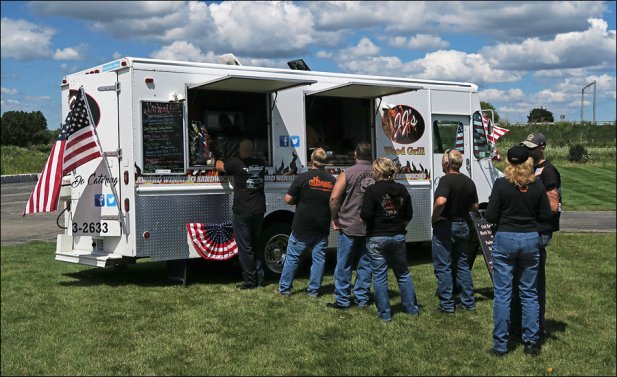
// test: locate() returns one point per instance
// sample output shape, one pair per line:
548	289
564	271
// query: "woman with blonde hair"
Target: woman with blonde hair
386	209
518	202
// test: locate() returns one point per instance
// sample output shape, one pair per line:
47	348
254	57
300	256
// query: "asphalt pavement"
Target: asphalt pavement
16	228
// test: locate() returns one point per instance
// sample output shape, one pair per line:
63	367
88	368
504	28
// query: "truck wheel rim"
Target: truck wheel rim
274	252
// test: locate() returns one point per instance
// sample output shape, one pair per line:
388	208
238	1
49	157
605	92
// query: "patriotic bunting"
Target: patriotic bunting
213	242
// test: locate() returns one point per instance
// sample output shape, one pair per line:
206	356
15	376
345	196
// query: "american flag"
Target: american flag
212	241
76	144
460	138
494	136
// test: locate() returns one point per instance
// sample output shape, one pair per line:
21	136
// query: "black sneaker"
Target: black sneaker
531	349
493	352
441	310
335	305
243	286
462	307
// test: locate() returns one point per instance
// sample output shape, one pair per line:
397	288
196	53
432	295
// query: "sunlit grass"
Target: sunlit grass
59	318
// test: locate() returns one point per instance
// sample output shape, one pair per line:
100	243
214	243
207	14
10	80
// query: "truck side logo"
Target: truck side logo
402	124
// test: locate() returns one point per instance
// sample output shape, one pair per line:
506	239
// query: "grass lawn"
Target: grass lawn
586	187
64	319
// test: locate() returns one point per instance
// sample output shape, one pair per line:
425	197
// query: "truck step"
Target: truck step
89	258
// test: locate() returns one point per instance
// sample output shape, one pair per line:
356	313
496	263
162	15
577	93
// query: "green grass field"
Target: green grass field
63	319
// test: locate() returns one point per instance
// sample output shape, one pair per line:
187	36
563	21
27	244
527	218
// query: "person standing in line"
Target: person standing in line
551	179
310	192
387	209
455	196
249	206
518	203
345	204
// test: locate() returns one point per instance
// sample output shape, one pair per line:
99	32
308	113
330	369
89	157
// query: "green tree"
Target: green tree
540	116
488	106
24	129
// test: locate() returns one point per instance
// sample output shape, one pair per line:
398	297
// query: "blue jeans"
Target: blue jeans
390	251
450	251
515	311
352	248
296	246
515	252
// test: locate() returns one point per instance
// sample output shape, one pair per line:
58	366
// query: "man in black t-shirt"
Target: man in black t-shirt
551	179
310	192
249	206
455	196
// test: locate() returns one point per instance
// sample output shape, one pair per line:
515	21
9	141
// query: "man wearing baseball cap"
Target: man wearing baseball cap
549	175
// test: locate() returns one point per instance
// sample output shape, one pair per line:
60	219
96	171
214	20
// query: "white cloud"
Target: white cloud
117	55
377	65
182	50
69	53
287	31
365	47
459	66
419	42
593	47
489	95
10	91
324	54
23	40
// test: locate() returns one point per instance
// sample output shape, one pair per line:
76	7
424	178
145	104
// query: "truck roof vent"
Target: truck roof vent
229	59
298	64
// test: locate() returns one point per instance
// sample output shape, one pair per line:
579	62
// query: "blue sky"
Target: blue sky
522	55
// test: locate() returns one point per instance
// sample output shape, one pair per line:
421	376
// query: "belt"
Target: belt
458	219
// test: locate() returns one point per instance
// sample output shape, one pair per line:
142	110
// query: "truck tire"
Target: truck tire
273	247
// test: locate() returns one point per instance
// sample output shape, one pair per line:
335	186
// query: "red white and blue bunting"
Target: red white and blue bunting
212	242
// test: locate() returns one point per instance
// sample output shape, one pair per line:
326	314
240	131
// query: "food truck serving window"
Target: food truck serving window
339	117
227	109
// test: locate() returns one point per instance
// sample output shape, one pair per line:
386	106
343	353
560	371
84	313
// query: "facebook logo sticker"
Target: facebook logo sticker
99	200
295	141
111	200
283	140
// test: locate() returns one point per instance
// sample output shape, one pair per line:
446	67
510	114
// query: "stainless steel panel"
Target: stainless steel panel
166	216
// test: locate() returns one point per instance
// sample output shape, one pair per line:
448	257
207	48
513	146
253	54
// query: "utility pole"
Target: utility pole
594	100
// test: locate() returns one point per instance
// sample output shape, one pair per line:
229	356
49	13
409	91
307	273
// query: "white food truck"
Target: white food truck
158	122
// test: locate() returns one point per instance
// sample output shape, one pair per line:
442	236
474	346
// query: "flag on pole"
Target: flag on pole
493	136
76	144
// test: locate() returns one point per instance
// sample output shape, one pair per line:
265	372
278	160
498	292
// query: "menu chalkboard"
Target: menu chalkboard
485	236
163	146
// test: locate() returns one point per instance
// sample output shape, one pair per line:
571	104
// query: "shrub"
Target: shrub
578	153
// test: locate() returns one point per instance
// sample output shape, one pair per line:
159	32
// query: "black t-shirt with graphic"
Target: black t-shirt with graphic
248	173
460	192
386	208
311	191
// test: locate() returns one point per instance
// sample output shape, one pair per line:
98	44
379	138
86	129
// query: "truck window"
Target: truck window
481	146
218	120
337	124
448	135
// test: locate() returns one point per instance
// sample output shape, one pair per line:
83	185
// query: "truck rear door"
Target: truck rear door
94	203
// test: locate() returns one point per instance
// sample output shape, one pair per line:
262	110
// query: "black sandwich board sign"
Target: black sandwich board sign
485	237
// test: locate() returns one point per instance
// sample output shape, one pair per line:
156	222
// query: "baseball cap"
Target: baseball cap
534	140
517	155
